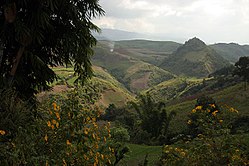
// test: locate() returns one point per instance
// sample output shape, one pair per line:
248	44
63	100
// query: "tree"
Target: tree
242	69
39	34
153	116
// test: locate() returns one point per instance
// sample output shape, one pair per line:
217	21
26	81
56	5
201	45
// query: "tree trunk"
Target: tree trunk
17	60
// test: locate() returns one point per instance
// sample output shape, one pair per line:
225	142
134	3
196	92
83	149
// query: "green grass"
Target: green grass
138	152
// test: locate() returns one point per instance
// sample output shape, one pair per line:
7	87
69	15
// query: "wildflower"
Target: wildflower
50	112
57	115
86	131
102	156
212	105
52	126
55	106
189	122
46	138
49	124
198	107
2	132
54	121
221	121
69	143
233	110
208	110
93	135
193	110
57	124
214	113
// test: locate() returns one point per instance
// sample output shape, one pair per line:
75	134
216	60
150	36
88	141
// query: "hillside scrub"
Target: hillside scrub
211	142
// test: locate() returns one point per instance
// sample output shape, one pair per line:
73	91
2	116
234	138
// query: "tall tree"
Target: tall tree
242	69
38	34
153	116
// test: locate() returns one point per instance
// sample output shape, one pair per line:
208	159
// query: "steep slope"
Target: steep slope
110	90
135	74
194	59
232	51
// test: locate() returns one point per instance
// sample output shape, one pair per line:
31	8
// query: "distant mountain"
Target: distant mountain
232	51
194	59
116	35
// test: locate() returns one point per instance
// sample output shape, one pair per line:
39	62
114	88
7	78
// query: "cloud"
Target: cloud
212	20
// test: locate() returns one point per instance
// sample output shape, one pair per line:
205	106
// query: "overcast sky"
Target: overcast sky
212	21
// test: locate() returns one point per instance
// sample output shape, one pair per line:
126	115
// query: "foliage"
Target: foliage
19	130
153	117
36	35
66	132
242	69
214	145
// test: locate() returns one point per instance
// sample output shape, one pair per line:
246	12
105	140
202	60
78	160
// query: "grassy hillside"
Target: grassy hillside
231	51
148	51
135	74
110	89
234	96
194	59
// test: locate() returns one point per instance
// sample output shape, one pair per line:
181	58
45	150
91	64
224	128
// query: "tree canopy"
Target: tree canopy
38	34
242	68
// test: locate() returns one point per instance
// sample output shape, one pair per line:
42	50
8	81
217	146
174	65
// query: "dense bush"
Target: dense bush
61	131
212	143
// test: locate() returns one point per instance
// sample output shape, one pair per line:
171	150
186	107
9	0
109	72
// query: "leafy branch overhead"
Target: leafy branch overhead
42	33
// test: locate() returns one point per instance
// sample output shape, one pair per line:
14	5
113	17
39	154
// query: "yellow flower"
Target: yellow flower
52	126
221	121
94	119
57	124
214	113
46	138
49	124
69	143
54	105
93	135
102	156
189	122
2	132
68	114
212	105
57	115
193	110
198	107
86	131
54	121
50	112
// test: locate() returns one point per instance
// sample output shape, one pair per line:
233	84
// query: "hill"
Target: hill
148	51
232	51
233	96
110	90
194	59
134	73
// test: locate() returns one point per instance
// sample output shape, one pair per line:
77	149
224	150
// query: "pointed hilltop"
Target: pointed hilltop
194	59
